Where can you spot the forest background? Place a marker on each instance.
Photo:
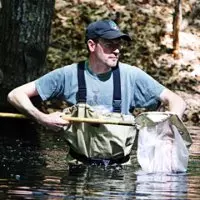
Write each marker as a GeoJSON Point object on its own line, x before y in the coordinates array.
{"type": "Point", "coordinates": [150, 25]}
{"type": "Point", "coordinates": [26, 27]}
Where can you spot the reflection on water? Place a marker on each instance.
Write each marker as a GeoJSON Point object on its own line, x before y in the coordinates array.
{"type": "Point", "coordinates": [32, 168]}
{"type": "Point", "coordinates": [159, 186]}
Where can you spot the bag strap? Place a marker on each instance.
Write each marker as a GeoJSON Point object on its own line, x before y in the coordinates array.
{"type": "Point", "coordinates": [82, 92]}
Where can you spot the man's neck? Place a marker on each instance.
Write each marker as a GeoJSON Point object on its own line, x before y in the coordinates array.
{"type": "Point", "coordinates": [97, 67]}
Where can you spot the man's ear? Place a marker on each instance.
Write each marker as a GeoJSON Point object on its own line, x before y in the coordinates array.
{"type": "Point", "coordinates": [91, 45]}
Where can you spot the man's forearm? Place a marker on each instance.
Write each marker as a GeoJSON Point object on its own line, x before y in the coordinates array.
{"type": "Point", "coordinates": [176, 104]}
{"type": "Point", "coordinates": [23, 103]}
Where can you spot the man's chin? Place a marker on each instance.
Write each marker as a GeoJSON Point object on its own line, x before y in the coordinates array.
{"type": "Point", "coordinates": [113, 64]}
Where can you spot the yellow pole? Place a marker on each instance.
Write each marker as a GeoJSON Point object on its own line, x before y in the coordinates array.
{"type": "Point", "coordinates": [73, 119]}
{"type": "Point", "coordinates": [12, 115]}
{"type": "Point", "coordinates": [97, 121]}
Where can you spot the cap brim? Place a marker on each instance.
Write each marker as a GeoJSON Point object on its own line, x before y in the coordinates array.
{"type": "Point", "coordinates": [114, 35]}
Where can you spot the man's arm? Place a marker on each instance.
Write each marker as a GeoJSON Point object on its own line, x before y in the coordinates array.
{"type": "Point", "coordinates": [175, 102]}
{"type": "Point", "coordinates": [20, 99]}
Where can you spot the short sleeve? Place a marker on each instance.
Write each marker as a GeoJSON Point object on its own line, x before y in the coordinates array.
{"type": "Point", "coordinates": [147, 91]}
{"type": "Point", "coordinates": [51, 85]}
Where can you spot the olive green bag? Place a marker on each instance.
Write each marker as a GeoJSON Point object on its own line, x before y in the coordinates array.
{"type": "Point", "coordinates": [99, 140]}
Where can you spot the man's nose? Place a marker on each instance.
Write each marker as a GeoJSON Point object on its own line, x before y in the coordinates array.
{"type": "Point", "coordinates": [116, 51]}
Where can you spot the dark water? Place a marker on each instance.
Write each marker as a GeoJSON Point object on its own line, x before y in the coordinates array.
{"type": "Point", "coordinates": [33, 167]}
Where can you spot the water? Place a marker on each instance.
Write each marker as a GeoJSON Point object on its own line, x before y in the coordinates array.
{"type": "Point", "coordinates": [33, 167]}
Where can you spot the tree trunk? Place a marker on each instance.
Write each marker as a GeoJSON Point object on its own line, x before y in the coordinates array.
{"type": "Point", "coordinates": [176, 28]}
{"type": "Point", "coordinates": [25, 28]}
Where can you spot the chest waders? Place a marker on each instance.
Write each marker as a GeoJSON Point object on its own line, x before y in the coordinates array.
{"type": "Point", "coordinates": [99, 143]}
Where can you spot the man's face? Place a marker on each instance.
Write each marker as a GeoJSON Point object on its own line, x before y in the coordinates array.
{"type": "Point", "coordinates": [108, 51]}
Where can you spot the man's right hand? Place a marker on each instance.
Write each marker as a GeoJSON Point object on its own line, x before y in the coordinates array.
{"type": "Point", "coordinates": [53, 121]}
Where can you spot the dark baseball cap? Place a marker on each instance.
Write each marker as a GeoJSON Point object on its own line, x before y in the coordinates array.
{"type": "Point", "coordinates": [106, 29]}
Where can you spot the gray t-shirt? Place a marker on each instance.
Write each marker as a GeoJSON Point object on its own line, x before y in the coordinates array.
{"type": "Point", "coordinates": [138, 89]}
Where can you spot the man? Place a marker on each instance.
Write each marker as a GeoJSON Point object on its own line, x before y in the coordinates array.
{"type": "Point", "coordinates": [104, 41]}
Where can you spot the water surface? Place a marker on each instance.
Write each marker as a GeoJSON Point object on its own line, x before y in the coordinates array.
{"type": "Point", "coordinates": [33, 166]}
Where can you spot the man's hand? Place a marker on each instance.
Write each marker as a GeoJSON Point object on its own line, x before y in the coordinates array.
{"type": "Point", "coordinates": [54, 121]}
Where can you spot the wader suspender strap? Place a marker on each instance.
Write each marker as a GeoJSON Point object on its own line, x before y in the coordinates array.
{"type": "Point", "coordinates": [117, 90]}
{"type": "Point", "coordinates": [81, 94]}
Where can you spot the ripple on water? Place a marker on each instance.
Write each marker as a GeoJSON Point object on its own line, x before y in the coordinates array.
{"type": "Point", "coordinates": [25, 175]}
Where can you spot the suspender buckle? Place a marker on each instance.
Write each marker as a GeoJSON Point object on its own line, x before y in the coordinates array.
{"type": "Point", "coordinates": [117, 105]}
